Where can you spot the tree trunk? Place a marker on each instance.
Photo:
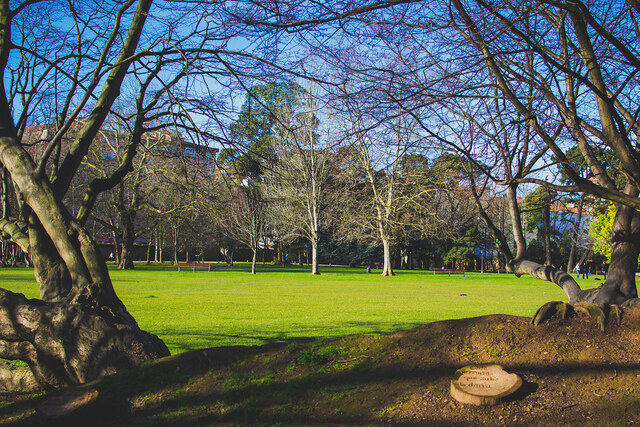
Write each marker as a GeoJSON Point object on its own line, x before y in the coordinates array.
{"type": "Point", "coordinates": [387, 269]}
{"type": "Point", "coordinates": [314, 256]}
{"type": "Point", "coordinates": [550, 274]}
{"type": "Point", "coordinates": [253, 260]}
{"type": "Point", "coordinates": [149, 246]}
{"type": "Point", "coordinates": [625, 248]}
{"type": "Point", "coordinates": [74, 340]}
{"type": "Point", "coordinates": [49, 269]}
{"type": "Point", "coordinates": [76, 332]}
{"type": "Point", "coordinates": [126, 256]}
{"type": "Point", "coordinates": [117, 247]}
{"type": "Point", "coordinates": [156, 238]}
{"type": "Point", "coordinates": [175, 246]}
{"type": "Point", "coordinates": [126, 253]}
{"type": "Point", "coordinates": [127, 218]}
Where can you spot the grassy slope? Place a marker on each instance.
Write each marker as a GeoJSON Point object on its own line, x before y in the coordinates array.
{"type": "Point", "coordinates": [231, 307]}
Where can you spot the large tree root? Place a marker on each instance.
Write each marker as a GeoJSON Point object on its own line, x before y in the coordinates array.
{"type": "Point", "coordinates": [71, 341]}
{"type": "Point", "coordinates": [560, 310]}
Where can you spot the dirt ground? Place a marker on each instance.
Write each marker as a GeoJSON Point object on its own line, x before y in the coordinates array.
{"type": "Point", "coordinates": [573, 374]}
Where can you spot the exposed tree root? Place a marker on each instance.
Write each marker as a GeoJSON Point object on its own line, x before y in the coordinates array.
{"type": "Point", "coordinates": [549, 310]}
{"type": "Point", "coordinates": [69, 342]}
{"type": "Point", "coordinates": [563, 311]}
{"type": "Point", "coordinates": [17, 378]}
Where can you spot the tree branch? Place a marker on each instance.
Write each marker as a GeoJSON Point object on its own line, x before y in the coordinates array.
{"type": "Point", "coordinates": [16, 233]}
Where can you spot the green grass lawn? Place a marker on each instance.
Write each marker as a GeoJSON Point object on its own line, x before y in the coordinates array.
{"type": "Point", "coordinates": [231, 307]}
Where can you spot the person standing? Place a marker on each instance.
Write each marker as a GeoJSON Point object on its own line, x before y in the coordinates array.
{"type": "Point", "coordinates": [578, 271]}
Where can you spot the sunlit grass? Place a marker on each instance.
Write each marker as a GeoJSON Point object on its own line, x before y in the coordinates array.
{"type": "Point", "coordinates": [232, 307]}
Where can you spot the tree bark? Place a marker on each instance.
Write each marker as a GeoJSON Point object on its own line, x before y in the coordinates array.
{"type": "Point", "coordinates": [387, 269]}
{"type": "Point", "coordinates": [149, 246]}
{"type": "Point", "coordinates": [73, 340]}
{"type": "Point", "coordinates": [49, 269]}
{"type": "Point", "coordinates": [550, 274]}
{"type": "Point", "coordinates": [253, 260]}
{"type": "Point", "coordinates": [314, 257]}
{"type": "Point", "coordinates": [161, 246]}
{"type": "Point", "coordinates": [128, 238]}
{"type": "Point", "coordinates": [175, 245]}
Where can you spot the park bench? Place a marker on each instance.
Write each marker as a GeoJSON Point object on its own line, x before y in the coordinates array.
{"type": "Point", "coordinates": [449, 271]}
{"type": "Point", "coordinates": [502, 270]}
{"type": "Point", "coordinates": [194, 266]}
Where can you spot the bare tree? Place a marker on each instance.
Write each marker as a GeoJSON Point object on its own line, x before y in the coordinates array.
{"type": "Point", "coordinates": [517, 90]}
{"type": "Point", "coordinates": [245, 217]}
{"type": "Point", "coordinates": [378, 149]}
{"type": "Point", "coordinates": [581, 49]}
{"type": "Point", "coordinates": [297, 181]}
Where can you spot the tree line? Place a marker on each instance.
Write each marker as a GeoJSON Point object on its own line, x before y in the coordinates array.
{"type": "Point", "coordinates": [499, 96]}
{"type": "Point", "coordinates": [300, 194]}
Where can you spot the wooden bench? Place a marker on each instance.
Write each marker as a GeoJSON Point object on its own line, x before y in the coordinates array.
{"type": "Point", "coordinates": [194, 266]}
{"type": "Point", "coordinates": [448, 271]}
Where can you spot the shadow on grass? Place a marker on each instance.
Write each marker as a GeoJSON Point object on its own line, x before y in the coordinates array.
{"type": "Point", "coordinates": [180, 339]}
{"type": "Point", "coordinates": [27, 278]}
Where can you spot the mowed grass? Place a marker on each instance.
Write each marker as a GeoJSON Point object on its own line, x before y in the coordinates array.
{"type": "Point", "coordinates": [229, 306]}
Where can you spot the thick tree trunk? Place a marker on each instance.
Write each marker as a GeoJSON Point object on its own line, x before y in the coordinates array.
{"type": "Point", "coordinates": [387, 269]}
{"type": "Point", "coordinates": [74, 340]}
{"type": "Point", "coordinates": [127, 222]}
{"type": "Point", "coordinates": [128, 238]}
{"type": "Point", "coordinates": [75, 333]}
{"type": "Point", "coordinates": [117, 247]}
{"type": "Point", "coordinates": [126, 255]}
{"type": "Point", "coordinates": [314, 256]}
{"type": "Point", "coordinates": [49, 269]}
{"type": "Point", "coordinates": [625, 247]}
{"type": "Point", "coordinates": [550, 274]}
